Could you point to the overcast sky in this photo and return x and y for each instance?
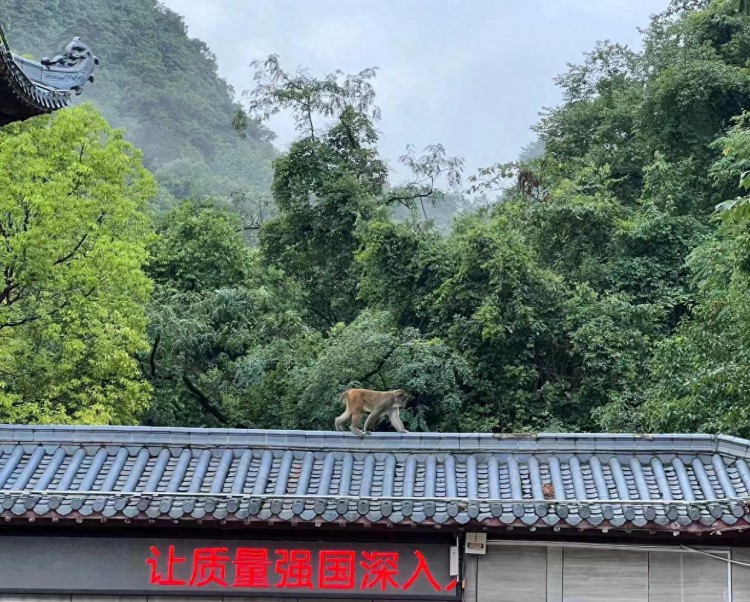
(471, 74)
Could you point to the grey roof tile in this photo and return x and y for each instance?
(601, 480)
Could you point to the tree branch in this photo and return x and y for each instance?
(75, 250)
(152, 357)
(203, 400)
(404, 199)
(424, 211)
(328, 320)
(249, 227)
(70, 255)
(20, 322)
(379, 366)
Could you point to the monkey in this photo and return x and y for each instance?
(376, 403)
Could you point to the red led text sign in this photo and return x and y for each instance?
(296, 569)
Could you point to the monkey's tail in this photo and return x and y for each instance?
(342, 397)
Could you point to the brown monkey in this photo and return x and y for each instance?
(376, 403)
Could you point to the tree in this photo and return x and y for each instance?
(700, 372)
(597, 291)
(74, 233)
(502, 307)
(330, 178)
(372, 352)
(199, 247)
(218, 322)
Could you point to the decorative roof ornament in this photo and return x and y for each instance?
(29, 88)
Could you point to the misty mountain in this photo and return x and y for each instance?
(158, 84)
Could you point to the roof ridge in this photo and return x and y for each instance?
(291, 439)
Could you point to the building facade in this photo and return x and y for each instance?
(99, 513)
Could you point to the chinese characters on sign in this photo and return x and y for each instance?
(263, 568)
(102, 565)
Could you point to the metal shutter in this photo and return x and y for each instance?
(613, 575)
(513, 574)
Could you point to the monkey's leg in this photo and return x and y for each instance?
(354, 427)
(372, 420)
(395, 417)
(341, 420)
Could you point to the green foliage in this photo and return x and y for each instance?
(600, 293)
(499, 306)
(372, 352)
(74, 236)
(222, 357)
(605, 289)
(735, 158)
(329, 179)
(398, 267)
(700, 373)
(199, 248)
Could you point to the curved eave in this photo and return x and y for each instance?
(227, 511)
(20, 98)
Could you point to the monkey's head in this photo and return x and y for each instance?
(401, 398)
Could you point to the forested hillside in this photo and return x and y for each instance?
(158, 84)
(605, 290)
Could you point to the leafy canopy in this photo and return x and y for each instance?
(74, 234)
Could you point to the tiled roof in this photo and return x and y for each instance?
(663, 482)
(28, 88)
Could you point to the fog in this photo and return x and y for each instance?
(471, 75)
